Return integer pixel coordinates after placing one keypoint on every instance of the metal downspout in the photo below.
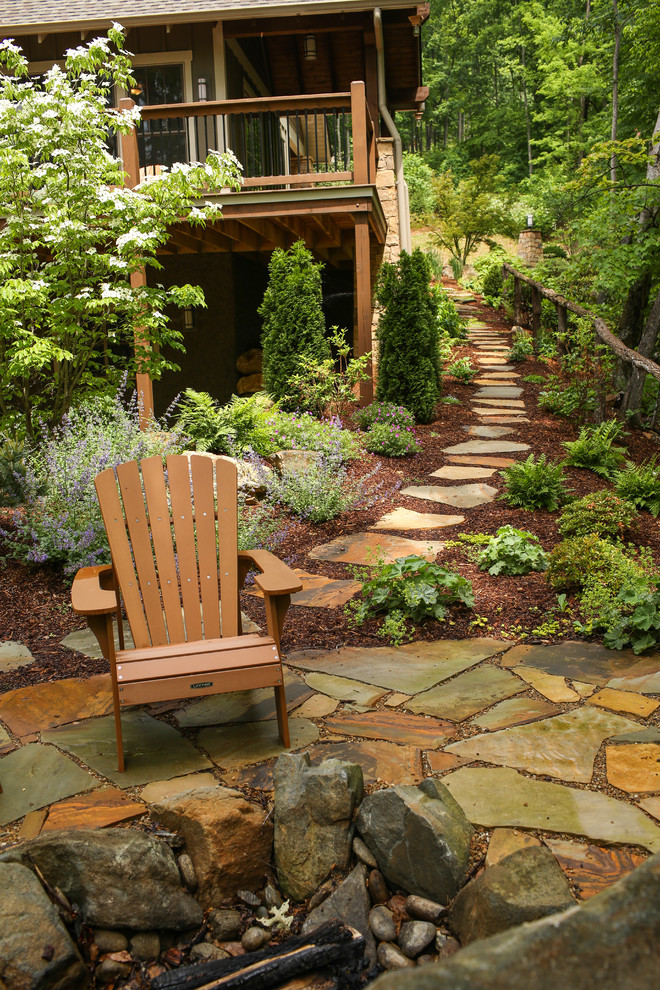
(401, 187)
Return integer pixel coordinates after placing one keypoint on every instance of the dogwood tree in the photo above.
(72, 235)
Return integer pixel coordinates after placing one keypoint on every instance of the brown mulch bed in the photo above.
(35, 603)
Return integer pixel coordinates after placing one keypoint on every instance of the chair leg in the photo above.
(121, 765)
(282, 715)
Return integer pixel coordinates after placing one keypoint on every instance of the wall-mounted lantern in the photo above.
(201, 90)
(188, 320)
(310, 47)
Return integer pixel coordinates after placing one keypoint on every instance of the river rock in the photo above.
(119, 878)
(391, 957)
(363, 854)
(415, 936)
(419, 836)
(381, 922)
(30, 927)
(313, 813)
(524, 886)
(187, 871)
(608, 943)
(423, 909)
(145, 946)
(378, 891)
(255, 938)
(350, 903)
(225, 924)
(206, 952)
(226, 837)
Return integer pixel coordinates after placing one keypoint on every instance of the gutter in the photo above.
(401, 187)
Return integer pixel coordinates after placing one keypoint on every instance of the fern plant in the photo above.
(641, 486)
(593, 449)
(535, 484)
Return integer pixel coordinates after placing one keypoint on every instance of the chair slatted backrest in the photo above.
(173, 563)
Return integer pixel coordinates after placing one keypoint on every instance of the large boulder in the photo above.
(313, 813)
(524, 886)
(351, 903)
(608, 943)
(119, 878)
(420, 838)
(227, 838)
(250, 362)
(35, 948)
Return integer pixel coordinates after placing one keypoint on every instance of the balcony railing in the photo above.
(281, 142)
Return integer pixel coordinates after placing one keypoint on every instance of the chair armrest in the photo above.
(88, 597)
(276, 577)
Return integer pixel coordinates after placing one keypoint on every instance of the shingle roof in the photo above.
(25, 16)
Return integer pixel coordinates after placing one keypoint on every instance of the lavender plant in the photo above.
(60, 521)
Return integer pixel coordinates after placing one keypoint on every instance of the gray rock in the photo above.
(415, 936)
(320, 895)
(225, 924)
(109, 970)
(119, 878)
(419, 836)
(381, 922)
(255, 938)
(272, 896)
(187, 871)
(426, 959)
(363, 853)
(109, 941)
(206, 951)
(608, 943)
(446, 945)
(293, 461)
(391, 957)
(249, 898)
(350, 903)
(524, 886)
(145, 946)
(424, 910)
(313, 813)
(378, 891)
(29, 928)
(262, 912)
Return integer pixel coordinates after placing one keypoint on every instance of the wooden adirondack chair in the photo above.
(177, 568)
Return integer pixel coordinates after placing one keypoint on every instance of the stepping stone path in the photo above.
(548, 727)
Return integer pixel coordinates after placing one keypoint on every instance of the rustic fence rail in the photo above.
(564, 306)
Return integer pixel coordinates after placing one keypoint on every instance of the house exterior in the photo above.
(304, 94)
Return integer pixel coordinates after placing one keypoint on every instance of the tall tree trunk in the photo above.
(634, 392)
(583, 98)
(527, 124)
(615, 85)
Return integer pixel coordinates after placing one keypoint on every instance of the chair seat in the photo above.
(210, 666)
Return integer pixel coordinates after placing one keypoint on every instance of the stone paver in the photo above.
(487, 447)
(345, 689)
(407, 519)
(398, 727)
(505, 841)
(154, 750)
(500, 403)
(231, 747)
(370, 548)
(409, 669)
(159, 790)
(319, 592)
(396, 699)
(590, 662)
(504, 420)
(35, 776)
(13, 655)
(563, 746)
(467, 694)
(495, 462)
(43, 706)
(499, 375)
(242, 706)
(459, 496)
(457, 472)
(318, 706)
(499, 392)
(592, 868)
(643, 683)
(624, 701)
(515, 711)
(634, 768)
(551, 686)
(651, 805)
(6, 743)
(500, 796)
(380, 761)
(95, 809)
(84, 641)
(490, 432)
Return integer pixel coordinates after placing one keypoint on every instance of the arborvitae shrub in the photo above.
(293, 331)
(409, 362)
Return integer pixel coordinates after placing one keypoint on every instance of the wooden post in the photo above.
(536, 317)
(359, 130)
(562, 327)
(517, 300)
(362, 345)
(131, 159)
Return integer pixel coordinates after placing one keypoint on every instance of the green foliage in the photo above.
(409, 365)
(585, 377)
(513, 551)
(535, 484)
(59, 521)
(490, 271)
(392, 441)
(12, 470)
(593, 449)
(73, 235)
(554, 251)
(641, 486)
(522, 346)
(415, 588)
(463, 369)
(631, 619)
(384, 412)
(450, 323)
(259, 526)
(293, 334)
(602, 513)
(419, 179)
(328, 386)
(201, 418)
(581, 561)
(321, 490)
(535, 379)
